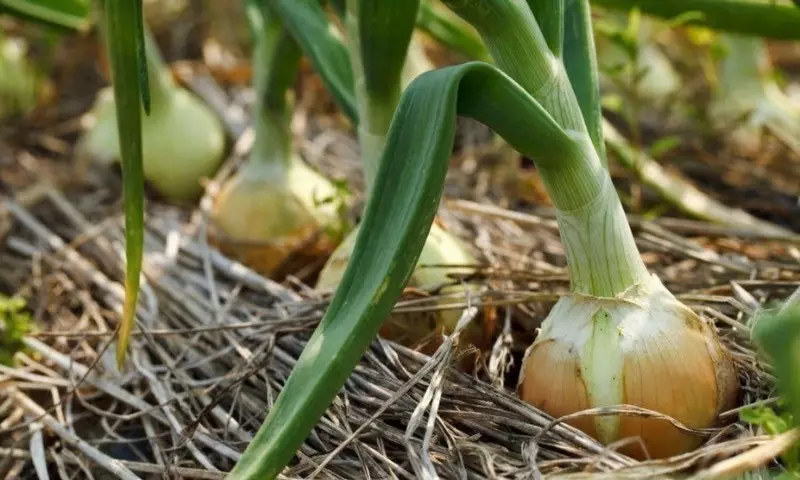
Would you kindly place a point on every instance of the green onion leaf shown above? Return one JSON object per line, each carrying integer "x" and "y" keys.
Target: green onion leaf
{"x": 306, "y": 21}
{"x": 410, "y": 180}
{"x": 379, "y": 33}
{"x": 580, "y": 61}
{"x": 451, "y": 31}
{"x": 125, "y": 44}
{"x": 67, "y": 15}
{"x": 757, "y": 18}
{"x": 518, "y": 47}
{"x": 384, "y": 30}
{"x": 549, "y": 15}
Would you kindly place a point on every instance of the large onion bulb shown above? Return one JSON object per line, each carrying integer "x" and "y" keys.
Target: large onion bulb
{"x": 642, "y": 348}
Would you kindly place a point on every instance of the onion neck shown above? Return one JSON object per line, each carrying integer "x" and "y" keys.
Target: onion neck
{"x": 375, "y": 112}
{"x": 159, "y": 77}
{"x": 276, "y": 59}
{"x": 602, "y": 257}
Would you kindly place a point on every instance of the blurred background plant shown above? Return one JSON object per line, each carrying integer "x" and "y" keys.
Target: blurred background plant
{"x": 15, "y": 324}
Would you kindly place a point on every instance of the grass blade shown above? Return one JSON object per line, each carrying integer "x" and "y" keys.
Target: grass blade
{"x": 580, "y": 61}
{"x": 747, "y": 17}
{"x": 309, "y": 26}
{"x": 392, "y": 233}
{"x": 125, "y": 46}
{"x": 62, "y": 14}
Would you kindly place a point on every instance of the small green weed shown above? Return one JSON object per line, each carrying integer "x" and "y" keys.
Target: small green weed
{"x": 15, "y": 322}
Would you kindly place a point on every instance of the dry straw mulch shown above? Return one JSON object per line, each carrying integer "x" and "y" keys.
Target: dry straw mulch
{"x": 215, "y": 343}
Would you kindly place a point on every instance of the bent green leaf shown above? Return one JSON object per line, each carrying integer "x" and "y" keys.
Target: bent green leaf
{"x": 410, "y": 180}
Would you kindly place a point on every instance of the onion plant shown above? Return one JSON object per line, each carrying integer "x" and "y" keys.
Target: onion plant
{"x": 275, "y": 209}
{"x": 184, "y": 141}
{"x": 748, "y": 100}
{"x": 618, "y": 337}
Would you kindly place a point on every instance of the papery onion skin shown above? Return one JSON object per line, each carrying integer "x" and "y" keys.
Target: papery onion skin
{"x": 644, "y": 348}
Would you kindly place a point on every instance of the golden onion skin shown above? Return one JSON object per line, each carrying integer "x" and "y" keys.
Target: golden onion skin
{"x": 424, "y": 330}
{"x": 272, "y": 224}
{"x": 643, "y": 348}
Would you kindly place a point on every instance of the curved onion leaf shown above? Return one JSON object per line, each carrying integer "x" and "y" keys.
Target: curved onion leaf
{"x": 61, "y": 14}
{"x": 757, "y": 18}
{"x": 410, "y": 180}
{"x": 580, "y": 61}
{"x": 307, "y": 23}
{"x": 125, "y": 46}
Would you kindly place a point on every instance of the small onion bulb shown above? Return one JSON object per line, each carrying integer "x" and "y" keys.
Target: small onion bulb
{"x": 642, "y": 348}
{"x": 182, "y": 142}
{"x": 263, "y": 218}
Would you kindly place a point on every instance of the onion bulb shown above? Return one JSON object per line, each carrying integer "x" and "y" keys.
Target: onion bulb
{"x": 621, "y": 338}
{"x": 183, "y": 141}
{"x": 273, "y": 220}
{"x": 441, "y": 257}
{"x": 276, "y": 214}
{"x": 643, "y": 348}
